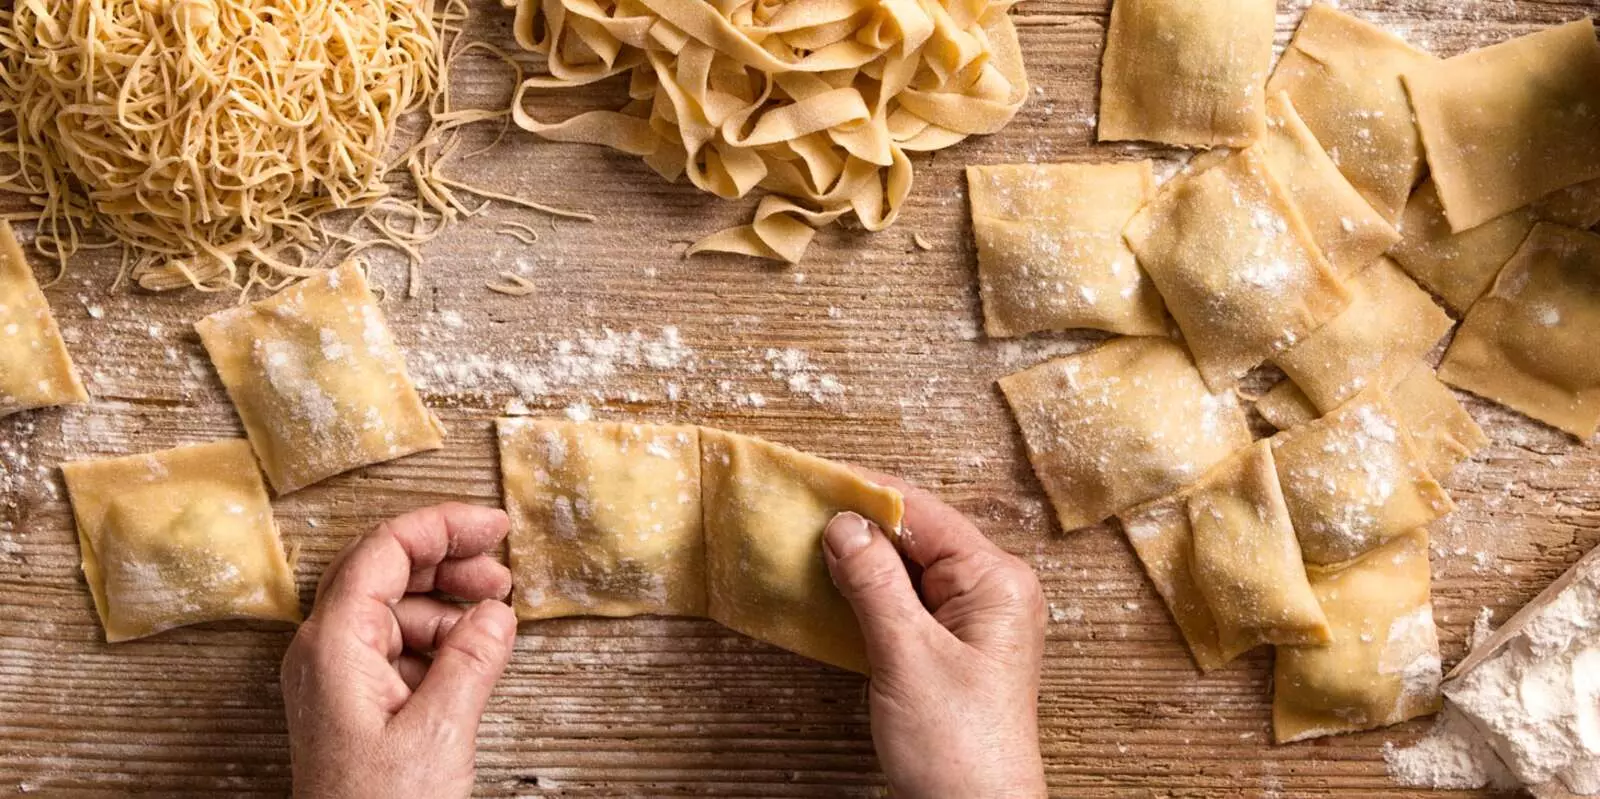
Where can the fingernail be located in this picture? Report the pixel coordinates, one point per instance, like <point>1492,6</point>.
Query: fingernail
<point>847,534</point>
<point>494,618</point>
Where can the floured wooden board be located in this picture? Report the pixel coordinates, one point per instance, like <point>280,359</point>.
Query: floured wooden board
<point>870,351</point>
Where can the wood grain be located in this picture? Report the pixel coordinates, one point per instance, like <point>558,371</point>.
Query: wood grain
<point>667,707</point>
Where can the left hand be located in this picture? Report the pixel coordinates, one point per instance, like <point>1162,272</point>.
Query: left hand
<point>384,685</point>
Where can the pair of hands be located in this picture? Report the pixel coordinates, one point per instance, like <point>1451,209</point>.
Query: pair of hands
<point>384,686</point>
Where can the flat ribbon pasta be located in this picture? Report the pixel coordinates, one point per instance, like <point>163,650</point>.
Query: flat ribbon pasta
<point>816,102</point>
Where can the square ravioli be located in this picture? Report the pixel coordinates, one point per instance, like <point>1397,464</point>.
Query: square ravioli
<point>1506,125</point>
<point>1343,75</point>
<point>1456,266</point>
<point>605,518</point>
<point>318,380</point>
<point>1442,431</point>
<point>35,370</point>
<point>1163,540</point>
<point>1186,73</point>
<point>1050,248</point>
<point>765,509</point>
<point>1240,272</point>
<point>1388,327</point>
<point>178,537</point>
<point>1349,230</point>
<point>1119,425</point>
<point>1383,665</point>
<point>1529,343</point>
<point>1353,480</point>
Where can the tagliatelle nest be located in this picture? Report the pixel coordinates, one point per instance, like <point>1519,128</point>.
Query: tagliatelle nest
<point>210,138</point>
<point>816,101</point>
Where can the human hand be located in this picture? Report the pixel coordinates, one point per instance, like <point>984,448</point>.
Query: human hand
<point>370,713</point>
<point>955,673</point>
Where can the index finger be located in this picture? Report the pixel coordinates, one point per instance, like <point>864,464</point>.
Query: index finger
<point>379,566</point>
<point>932,530</point>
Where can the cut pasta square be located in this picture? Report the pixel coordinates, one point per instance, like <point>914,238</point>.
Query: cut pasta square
<point>765,510</point>
<point>178,537</point>
<point>1050,248</point>
<point>318,380</point>
<point>1529,343</point>
<point>1286,407</point>
<point>1574,206</point>
<point>1240,272</point>
<point>1383,666</point>
<point>1388,327</point>
<point>1349,230</point>
<point>605,518</point>
<point>1164,542</point>
<point>1247,563</point>
<point>1353,480</point>
<point>1186,73</point>
<point>1506,125</point>
<point>1343,75</point>
<point>1456,266</point>
<point>35,370</point>
<point>1122,424</point>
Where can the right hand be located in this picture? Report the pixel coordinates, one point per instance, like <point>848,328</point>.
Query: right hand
<point>955,673</point>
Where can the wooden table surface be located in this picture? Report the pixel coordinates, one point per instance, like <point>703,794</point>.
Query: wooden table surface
<point>670,706</point>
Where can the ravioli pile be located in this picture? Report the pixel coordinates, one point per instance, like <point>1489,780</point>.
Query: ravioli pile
<point>1301,241</point>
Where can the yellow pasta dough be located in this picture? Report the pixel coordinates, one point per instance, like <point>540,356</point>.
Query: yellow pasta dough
<point>818,103</point>
<point>1343,75</point>
<point>1122,424</point>
<point>1186,73</point>
<point>1383,665</point>
<point>35,370</point>
<point>179,537</point>
<point>765,510</point>
<point>1574,206</point>
<point>1050,248</point>
<point>605,518</point>
<point>1247,563</point>
<point>1442,431</point>
<point>1162,538</point>
<point>318,380</point>
<point>1349,230</point>
<point>1529,343</point>
<point>1353,480</point>
<point>1389,325</point>
<point>1456,266</point>
<point>1239,270</point>
<point>1506,125</point>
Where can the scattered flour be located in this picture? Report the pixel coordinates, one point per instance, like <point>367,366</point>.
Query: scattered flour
<point>1452,756</point>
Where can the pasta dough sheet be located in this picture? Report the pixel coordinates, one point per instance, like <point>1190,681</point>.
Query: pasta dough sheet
<point>765,510</point>
<point>1343,75</point>
<point>1164,542</point>
<point>1186,73</point>
<point>606,518</point>
<point>178,537</point>
<point>1456,266</point>
<point>1349,230</point>
<point>1119,425</point>
<point>1574,206</point>
<point>624,519</point>
<point>1247,563</point>
<point>1442,431</point>
<point>1383,665</point>
<point>1239,270</point>
<point>35,370</point>
<point>318,380</point>
<point>1353,480</point>
<point>1050,248</point>
<point>1388,327</point>
<point>1529,343</point>
<point>1506,125</point>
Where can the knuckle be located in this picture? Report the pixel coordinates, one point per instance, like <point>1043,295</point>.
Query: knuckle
<point>475,654</point>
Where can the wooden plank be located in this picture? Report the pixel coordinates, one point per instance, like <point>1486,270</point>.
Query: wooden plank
<point>677,707</point>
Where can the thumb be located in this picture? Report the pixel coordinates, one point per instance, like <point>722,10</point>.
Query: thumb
<point>869,573</point>
<point>466,665</point>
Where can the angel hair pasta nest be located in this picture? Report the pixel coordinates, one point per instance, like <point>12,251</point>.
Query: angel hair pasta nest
<point>207,137</point>
<point>816,101</point>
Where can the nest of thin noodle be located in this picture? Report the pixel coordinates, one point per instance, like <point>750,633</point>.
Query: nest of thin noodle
<point>213,139</point>
<point>816,101</point>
